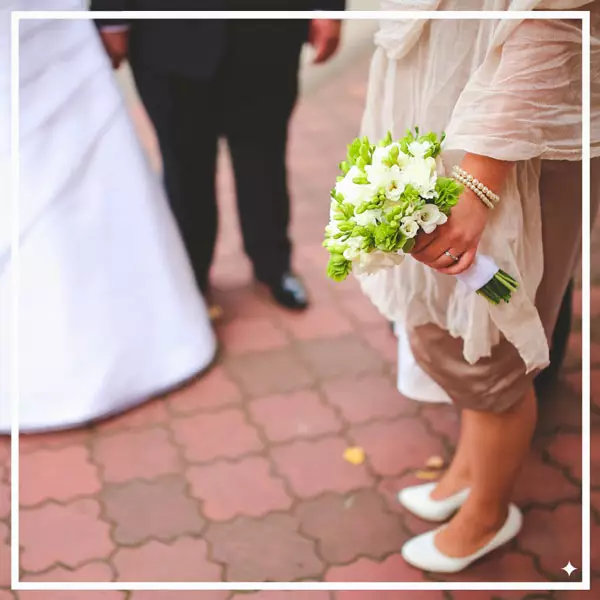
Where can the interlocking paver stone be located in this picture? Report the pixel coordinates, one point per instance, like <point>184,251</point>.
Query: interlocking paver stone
<point>72,595</point>
<point>95,571</point>
<point>158,509</point>
<point>392,568</point>
<point>394,447</point>
<point>4,555</point>
<point>350,526</point>
<point>269,549</point>
<point>143,454</point>
<point>225,434</point>
<point>179,595</point>
<point>273,372</point>
<point>366,398</point>
<point>251,335</point>
<point>542,483</point>
<point>321,321</point>
<point>380,339</point>
<point>62,439</point>
<point>4,499</point>
<point>285,595</point>
<point>504,564</point>
<point>183,560</point>
<point>212,391</point>
<point>56,474</point>
<point>334,357</point>
<point>314,467</point>
<point>501,595</point>
<point>71,535</point>
<point>246,488</point>
<point>387,595</point>
<point>555,537</point>
<point>284,417</point>
<point>444,419</point>
<point>149,414</point>
<point>361,309</point>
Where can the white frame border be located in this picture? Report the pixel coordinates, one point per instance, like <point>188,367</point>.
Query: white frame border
<point>585,584</point>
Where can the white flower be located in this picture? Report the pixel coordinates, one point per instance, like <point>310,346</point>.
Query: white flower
<point>353,245</point>
<point>409,227</point>
<point>355,193</point>
<point>388,178</point>
<point>419,149</point>
<point>372,262</point>
<point>382,153</point>
<point>429,217</point>
<point>393,194</point>
<point>368,217</point>
<point>332,229</point>
<point>421,174</point>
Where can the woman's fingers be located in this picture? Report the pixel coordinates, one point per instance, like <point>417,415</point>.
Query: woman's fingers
<point>465,261</point>
<point>423,241</point>
<point>447,259</point>
<point>432,251</point>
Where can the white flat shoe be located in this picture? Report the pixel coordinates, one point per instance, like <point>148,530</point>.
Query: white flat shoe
<point>422,553</point>
<point>417,500</point>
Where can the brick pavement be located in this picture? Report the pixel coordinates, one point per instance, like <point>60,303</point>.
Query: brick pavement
<point>240,476</point>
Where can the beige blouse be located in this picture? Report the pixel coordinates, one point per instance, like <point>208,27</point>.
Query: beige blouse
<point>506,89</point>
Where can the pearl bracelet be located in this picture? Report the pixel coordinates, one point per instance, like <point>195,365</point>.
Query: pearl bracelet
<point>489,198</point>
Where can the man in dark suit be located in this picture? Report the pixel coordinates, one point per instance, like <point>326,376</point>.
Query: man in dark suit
<point>201,80</point>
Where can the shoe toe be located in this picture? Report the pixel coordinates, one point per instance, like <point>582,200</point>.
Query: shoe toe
<point>417,500</point>
<point>421,552</point>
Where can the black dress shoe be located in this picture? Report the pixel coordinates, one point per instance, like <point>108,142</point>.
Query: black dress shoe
<point>288,291</point>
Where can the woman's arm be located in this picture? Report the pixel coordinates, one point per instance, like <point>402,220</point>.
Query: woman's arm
<point>524,102</point>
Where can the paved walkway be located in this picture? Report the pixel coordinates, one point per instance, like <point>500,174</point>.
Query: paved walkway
<point>241,476</point>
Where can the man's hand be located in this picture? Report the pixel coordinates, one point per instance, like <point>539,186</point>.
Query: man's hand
<point>116,44</point>
<point>324,37</point>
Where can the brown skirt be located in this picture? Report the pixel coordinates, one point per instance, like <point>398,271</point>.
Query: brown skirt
<point>499,382</point>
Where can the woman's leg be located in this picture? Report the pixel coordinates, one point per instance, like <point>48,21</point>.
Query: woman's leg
<point>495,446</point>
<point>458,476</point>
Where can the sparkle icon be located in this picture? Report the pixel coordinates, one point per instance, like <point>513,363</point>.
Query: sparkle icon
<point>569,569</point>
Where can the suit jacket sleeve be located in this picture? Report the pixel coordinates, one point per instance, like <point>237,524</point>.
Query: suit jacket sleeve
<point>330,5</point>
<point>111,5</point>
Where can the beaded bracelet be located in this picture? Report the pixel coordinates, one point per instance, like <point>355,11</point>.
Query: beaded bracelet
<point>489,198</point>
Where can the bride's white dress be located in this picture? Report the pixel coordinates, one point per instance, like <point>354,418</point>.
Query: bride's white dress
<point>109,314</point>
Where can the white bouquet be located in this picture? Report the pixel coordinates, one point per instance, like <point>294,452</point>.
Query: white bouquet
<point>385,196</point>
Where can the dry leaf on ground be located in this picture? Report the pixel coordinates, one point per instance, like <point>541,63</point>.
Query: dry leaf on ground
<point>354,455</point>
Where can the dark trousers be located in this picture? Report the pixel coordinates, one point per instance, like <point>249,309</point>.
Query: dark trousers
<point>249,100</point>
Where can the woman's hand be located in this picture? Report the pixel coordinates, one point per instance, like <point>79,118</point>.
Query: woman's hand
<point>459,237</point>
<point>452,247</point>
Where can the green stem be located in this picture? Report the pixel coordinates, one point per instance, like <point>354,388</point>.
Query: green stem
<point>499,289</point>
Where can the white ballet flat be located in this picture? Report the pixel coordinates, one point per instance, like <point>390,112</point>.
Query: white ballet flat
<point>422,553</point>
<point>417,500</point>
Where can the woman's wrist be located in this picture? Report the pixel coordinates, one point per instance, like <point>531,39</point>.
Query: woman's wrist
<point>491,173</point>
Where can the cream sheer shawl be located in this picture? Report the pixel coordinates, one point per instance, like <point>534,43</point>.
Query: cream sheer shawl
<point>506,89</point>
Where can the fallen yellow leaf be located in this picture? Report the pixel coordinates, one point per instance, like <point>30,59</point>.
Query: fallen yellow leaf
<point>354,455</point>
<point>429,475</point>
<point>435,462</point>
<point>215,312</point>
